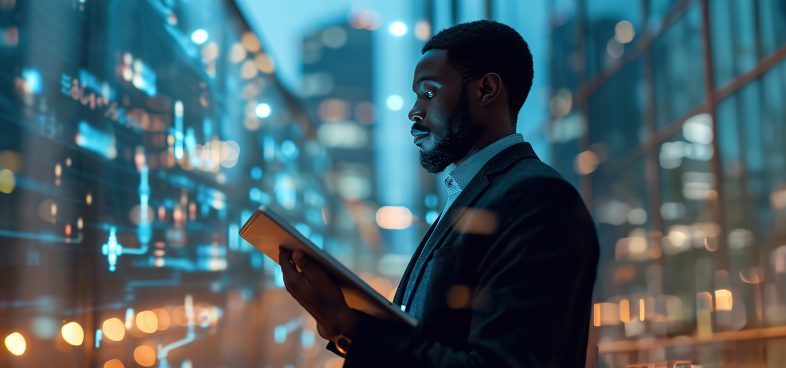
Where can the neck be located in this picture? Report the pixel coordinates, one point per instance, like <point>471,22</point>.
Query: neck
<point>488,137</point>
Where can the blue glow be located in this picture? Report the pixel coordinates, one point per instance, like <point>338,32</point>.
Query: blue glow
<point>178,133</point>
<point>431,216</point>
<point>289,149</point>
<point>306,338</point>
<point>268,148</point>
<point>262,110</point>
<point>207,127</point>
<point>96,141</point>
<point>285,191</point>
<point>256,173</point>
<point>32,80</point>
<point>318,240</point>
<point>280,334</point>
<point>112,249</point>
<point>190,144</point>
<point>145,229</point>
<point>99,336</point>
<point>129,318</point>
<point>199,36</point>
<point>233,237</point>
<point>255,195</point>
<point>314,216</point>
<point>91,81</point>
<point>303,229</point>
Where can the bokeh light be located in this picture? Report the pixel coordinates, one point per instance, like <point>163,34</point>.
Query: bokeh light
<point>145,355</point>
<point>73,333</point>
<point>15,343</point>
<point>114,329</point>
<point>146,321</point>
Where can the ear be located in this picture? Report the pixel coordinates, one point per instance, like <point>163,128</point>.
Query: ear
<point>489,88</point>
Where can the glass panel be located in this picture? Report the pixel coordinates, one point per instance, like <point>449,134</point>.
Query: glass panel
<point>743,33</point>
<point>678,68</point>
<point>690,230</point>
<point>132,149</point>
<point>616,111</point>
<point>611,28</point>
<point>733,38</point>
<point>752,129</point>
<point>628,271</point>
<point>657,11</point>
<point>772,25</point>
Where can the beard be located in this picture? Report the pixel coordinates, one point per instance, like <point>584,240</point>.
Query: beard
<point>459,137</point>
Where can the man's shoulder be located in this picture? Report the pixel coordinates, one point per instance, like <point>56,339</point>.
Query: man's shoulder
<point>530,175</point>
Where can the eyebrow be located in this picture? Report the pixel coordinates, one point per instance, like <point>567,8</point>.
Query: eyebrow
<point>422,79</point>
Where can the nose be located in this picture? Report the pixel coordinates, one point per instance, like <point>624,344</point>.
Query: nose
<point>416,113</point>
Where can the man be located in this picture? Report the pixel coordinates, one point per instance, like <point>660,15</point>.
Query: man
<point>504,276</point>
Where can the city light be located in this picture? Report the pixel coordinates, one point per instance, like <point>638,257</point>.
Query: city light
<point>114,329</point>
<point>624,32</point>
<point>397,28</point>
<point>15,343</point>
<point>146,321</point>
<point>423,30</point>
<point>7,181</point>
<point>199,36</point>
<point>394,102</point>
<point>394,217</point>
<point>145,355</point>
<point>262,110</point>
<point>114,363</point>
<point>73,333</point>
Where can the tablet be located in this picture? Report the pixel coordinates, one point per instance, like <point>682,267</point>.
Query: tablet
<point>266,230</point>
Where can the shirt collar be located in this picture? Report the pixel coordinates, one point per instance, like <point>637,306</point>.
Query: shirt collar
<point>461,174</point>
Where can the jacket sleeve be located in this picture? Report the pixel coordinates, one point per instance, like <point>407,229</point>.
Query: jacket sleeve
<point>529,306</point>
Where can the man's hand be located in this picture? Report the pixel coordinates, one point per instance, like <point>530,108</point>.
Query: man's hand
<point>317,293</point>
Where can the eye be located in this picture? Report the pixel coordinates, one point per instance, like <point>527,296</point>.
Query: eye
<point>429,94</point>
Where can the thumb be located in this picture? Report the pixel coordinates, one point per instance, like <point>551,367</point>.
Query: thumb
<point>311,270</point>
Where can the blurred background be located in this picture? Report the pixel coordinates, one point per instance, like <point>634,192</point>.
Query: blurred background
<point>136,137</point>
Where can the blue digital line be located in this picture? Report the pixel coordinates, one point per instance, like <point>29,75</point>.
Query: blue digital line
<point>40,236</point>
<point>144,231</point>
<point>190,334</point>
<point>112,249</point>
<point>178,133</point>
<point>133,284</point>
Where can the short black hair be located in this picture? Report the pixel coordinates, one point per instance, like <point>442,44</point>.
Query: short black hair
<point>483,46</point>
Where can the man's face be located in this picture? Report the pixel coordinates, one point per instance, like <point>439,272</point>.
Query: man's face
<point>443,127</point>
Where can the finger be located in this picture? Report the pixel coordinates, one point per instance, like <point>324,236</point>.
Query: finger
<point>313,272</point>
<point>323,331</point>
<point>292,278</point>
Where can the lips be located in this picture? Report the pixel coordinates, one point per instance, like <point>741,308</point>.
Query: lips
<point>418,134</point>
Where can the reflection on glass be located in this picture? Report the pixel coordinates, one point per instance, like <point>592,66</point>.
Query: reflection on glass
<point>752,129</point>
<point>612,28</point>
<point>616,117</point>
<point>137,137</point>
<point>678,68</point>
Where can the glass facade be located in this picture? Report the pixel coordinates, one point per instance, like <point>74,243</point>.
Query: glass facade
<point>136,137</point>
<point>680,154</point>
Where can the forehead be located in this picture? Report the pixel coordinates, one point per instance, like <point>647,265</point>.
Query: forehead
<point>433,65</point>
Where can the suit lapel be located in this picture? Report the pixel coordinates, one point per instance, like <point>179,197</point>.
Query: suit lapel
<point>467,198</point>
<point>402,285</point>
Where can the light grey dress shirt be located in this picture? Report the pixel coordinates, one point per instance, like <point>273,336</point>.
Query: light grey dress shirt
<point>460,175</point>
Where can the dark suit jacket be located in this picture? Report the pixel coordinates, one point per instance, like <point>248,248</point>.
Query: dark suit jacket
<point>504,280</point>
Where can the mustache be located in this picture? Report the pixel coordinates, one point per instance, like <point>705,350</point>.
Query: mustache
<point>417,126</point>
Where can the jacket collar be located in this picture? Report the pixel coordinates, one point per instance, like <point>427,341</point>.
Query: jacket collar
<point>499,163</point>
